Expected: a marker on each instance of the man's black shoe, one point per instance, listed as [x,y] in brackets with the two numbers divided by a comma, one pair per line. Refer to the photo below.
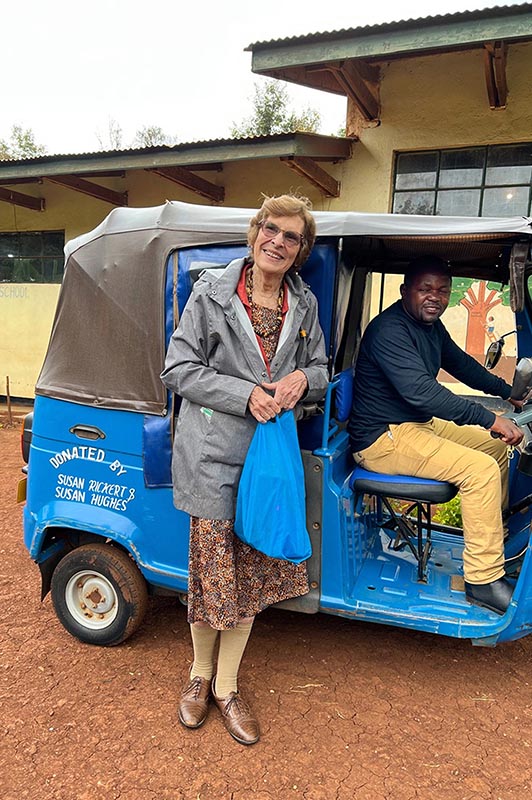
[495,595]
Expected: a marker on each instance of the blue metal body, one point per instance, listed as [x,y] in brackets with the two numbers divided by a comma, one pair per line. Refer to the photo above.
[117,487]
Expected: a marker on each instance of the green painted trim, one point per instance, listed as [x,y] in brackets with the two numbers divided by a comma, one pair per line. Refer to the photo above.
[443,36]
[328,148]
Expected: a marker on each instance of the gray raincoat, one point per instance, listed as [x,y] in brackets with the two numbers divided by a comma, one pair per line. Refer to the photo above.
[214,363]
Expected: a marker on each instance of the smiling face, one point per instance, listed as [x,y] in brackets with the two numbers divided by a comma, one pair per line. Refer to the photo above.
[427,296]
[273,255]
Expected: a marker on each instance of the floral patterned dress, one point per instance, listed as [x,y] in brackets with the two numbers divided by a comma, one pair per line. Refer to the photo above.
[228,580]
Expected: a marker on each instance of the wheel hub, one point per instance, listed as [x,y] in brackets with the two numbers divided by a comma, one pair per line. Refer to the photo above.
[91,599]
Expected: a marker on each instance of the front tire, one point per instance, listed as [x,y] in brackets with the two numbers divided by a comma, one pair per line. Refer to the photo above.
[99,594]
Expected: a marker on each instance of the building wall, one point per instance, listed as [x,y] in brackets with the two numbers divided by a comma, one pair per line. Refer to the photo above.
[246,182]
[26,311]
[76,213]
[66,210]
[434,102]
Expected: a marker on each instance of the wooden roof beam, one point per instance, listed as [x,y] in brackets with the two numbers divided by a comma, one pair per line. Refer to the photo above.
[328,185]
[185,178]
[24,200]
[90,188]
[104,173]
[14,181]
[495,72]
[206,167]
[360,82]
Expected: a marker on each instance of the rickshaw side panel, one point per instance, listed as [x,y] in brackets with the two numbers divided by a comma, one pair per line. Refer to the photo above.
[98,486]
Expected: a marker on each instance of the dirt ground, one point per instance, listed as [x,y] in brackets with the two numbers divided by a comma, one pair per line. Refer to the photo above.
[347,709]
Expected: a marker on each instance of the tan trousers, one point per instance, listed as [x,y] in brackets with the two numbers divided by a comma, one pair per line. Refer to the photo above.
[472,460]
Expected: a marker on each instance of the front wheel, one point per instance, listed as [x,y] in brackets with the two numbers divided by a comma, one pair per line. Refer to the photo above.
[99,594]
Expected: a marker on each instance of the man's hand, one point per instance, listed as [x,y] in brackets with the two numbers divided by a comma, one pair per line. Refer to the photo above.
[289,389]
[507,430]
[262,405]
[517,404]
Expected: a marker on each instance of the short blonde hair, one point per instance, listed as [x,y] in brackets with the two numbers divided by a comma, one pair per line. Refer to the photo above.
[287,205]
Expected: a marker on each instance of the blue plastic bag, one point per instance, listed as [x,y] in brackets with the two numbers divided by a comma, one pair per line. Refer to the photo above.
[270,505]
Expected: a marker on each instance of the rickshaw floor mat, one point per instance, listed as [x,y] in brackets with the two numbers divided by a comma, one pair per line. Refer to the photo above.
[388,580]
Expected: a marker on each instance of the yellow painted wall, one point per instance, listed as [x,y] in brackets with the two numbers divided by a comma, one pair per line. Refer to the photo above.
[434,102]
[244,183]
[66,210]
[26,311]
[430,102]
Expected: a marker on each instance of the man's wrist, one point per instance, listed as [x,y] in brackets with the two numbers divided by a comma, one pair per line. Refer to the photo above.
[492,423]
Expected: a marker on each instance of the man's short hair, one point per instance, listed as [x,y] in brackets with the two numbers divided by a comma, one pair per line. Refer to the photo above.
[423,264]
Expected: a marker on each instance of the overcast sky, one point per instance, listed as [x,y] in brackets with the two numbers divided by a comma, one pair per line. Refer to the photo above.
[70,67]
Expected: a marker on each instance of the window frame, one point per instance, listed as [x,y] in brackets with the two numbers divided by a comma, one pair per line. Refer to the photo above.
[481,187]
[18,259]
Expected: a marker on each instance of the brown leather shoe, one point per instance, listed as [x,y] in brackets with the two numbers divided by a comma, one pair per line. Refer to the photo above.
[194,702]
[238,718]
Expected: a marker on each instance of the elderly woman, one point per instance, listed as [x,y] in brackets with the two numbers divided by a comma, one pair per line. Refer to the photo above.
[248,346]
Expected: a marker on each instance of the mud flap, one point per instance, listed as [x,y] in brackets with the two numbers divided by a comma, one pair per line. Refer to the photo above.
[48,566]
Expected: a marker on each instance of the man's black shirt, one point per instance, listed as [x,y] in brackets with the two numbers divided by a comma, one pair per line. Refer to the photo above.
[395,378]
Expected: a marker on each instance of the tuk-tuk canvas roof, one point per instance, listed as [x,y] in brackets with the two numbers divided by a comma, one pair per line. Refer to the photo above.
[107,343]
[186,218]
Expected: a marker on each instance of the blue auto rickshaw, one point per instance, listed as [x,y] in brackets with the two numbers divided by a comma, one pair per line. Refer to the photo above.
[98,516]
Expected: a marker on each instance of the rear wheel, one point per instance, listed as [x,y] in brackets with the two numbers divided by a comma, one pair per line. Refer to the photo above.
[99,594]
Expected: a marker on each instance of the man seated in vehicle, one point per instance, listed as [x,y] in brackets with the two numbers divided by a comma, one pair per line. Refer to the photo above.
[404,422]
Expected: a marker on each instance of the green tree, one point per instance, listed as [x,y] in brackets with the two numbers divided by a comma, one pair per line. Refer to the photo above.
[147,136]
[112,138]
[271,113]
[21,144]
[152,136]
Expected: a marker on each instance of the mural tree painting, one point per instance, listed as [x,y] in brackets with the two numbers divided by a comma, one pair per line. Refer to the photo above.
[478,298]
[478,307]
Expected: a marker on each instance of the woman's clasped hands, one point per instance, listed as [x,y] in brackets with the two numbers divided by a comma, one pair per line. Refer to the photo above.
[286,393]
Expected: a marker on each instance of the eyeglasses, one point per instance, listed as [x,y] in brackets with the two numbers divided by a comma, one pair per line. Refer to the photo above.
[290,238]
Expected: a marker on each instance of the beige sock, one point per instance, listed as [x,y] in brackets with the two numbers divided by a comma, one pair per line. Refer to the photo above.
[232,645]
[203,641]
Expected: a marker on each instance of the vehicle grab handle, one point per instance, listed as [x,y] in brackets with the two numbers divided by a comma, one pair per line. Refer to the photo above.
[87,432]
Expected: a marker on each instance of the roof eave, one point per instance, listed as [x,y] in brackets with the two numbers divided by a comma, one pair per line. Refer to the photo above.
[315,146]
[439,34]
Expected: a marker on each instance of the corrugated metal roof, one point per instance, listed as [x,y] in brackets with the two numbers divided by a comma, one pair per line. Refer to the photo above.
[177,148]
[163,148]
[459,16]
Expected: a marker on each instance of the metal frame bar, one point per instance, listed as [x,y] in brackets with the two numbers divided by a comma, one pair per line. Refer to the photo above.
[404,532]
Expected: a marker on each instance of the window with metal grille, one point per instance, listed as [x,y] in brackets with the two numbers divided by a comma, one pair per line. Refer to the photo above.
[492,181]
[32,257]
